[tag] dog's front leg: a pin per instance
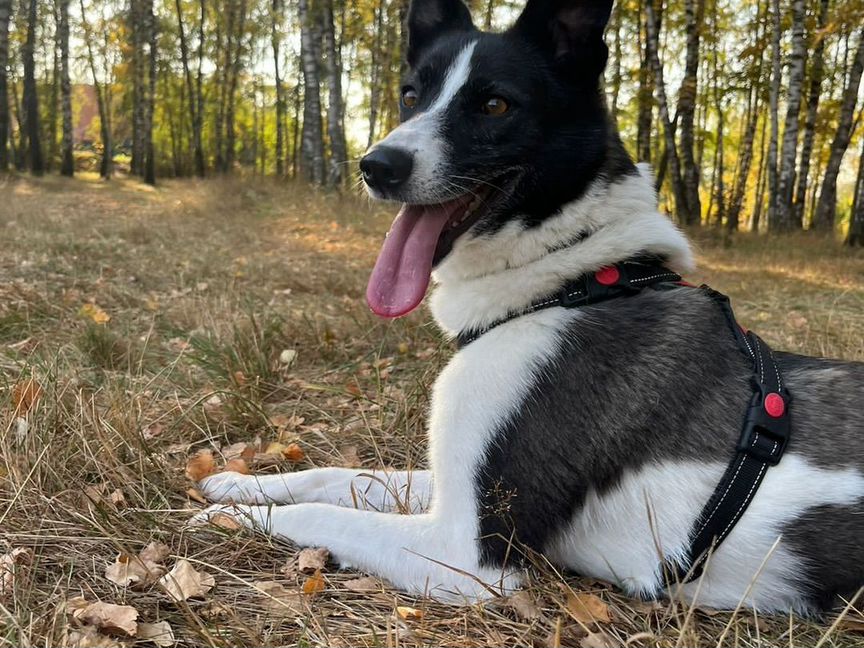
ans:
(423, 554)
(401, 491)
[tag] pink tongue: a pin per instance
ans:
(401, 275)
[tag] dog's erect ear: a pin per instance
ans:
(428, 19)
(571, 31)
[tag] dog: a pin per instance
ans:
(593, 436)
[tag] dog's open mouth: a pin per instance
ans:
(421, 236)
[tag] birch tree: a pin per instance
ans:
(5, 15)
(277, 17)
(826, 208)
(774, 110)
(67, 164)
(694, 11)
(335, 106)
(312, 154)
(32, 124)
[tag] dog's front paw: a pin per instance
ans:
(232, 487)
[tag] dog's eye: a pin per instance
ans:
(409, 97)
(495, 106)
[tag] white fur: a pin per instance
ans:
(421, 135)
(487, 277)
(622, 535)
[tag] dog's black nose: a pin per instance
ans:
(386, 168)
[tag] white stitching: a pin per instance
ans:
(745, 502)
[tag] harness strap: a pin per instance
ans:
(766, 427)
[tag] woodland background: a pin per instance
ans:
(750, 111)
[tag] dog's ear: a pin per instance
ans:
(570, 31)
(428, 19)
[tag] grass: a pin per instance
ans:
(206, 285)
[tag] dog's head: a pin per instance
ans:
(496, 127)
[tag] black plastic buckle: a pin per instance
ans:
(765, 437)
(573, 295)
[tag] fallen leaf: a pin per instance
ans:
(11, 566)
(152, 431)
(278, 599)
(287, 357)
(159, 633)
(409, 613)
(588, 608)
(403, 348)
(599, 640)
(88, 637)
(312, 560)
(240, 378)
(195, 494)
(130, 571)
(200, 465)
(225, 521)
(238, 466)
(108, 617)
(117, 498)
(363, 584)
(25, 395)
(275, 448)
(93, 312)
(524, 606)
(294, 453)
(239, 450)
(184, 582)
(314, 584)
(155, 552)
(350, 456)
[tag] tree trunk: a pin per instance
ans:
(817, 71)
(295, 135)
(785, 215)
(137, 20)
(231, 99)
(653, 39)
(645, 97)
(277, 19)
(5, 15)
(694, 11)
(31, 93)
(54, 112)
(106, 169)
(774, 108)
(152, 34)
(335, 108)
(199, 94)
(618, 11)
(194, 117)
(826, 209)
(375, 72)
(856, 225)
(67, 164)
(312, 154)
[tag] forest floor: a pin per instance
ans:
(140, 325)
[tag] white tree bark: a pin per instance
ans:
(773, 109)
(312, 153)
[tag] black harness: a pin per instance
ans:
(766, 427)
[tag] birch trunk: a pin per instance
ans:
(785, 215)
(694, 12)
(645, 115)
(335, 106)
(653, 41)
(277, 17)
(67, 164)
(139, 111)
(31, 94)
(774, 108)
(5, 15)
(312, 155)
(231, 99)
(106, 168)
(856, 226)
(826, 208)
(149, 164)
(194, 117)
(817, 72)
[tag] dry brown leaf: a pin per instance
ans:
(184, 582)
(293, 453)
(88, 637)
(11, 566)
(200, 465)
(314, 584)
(409, 613)
(25, 395)
(275, 448)
(588, 608)
(238, 450)
(599, 640)
(155, 552)
(108, 617)
(524, 605)
(132, 571)
(312, 560)
(363, 584)
(279, 600)
(350, 456)
(152, 431)
(117, 498)
(238, 466)
(195, 495)
(159, 633)
(225, 521)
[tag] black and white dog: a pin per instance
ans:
(593, 435)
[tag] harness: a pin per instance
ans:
(766, 426)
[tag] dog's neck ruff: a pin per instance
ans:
(490, 277)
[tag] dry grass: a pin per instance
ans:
(205, 284)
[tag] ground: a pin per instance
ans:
(139, 326)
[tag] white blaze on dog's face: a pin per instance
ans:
(495, 128)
